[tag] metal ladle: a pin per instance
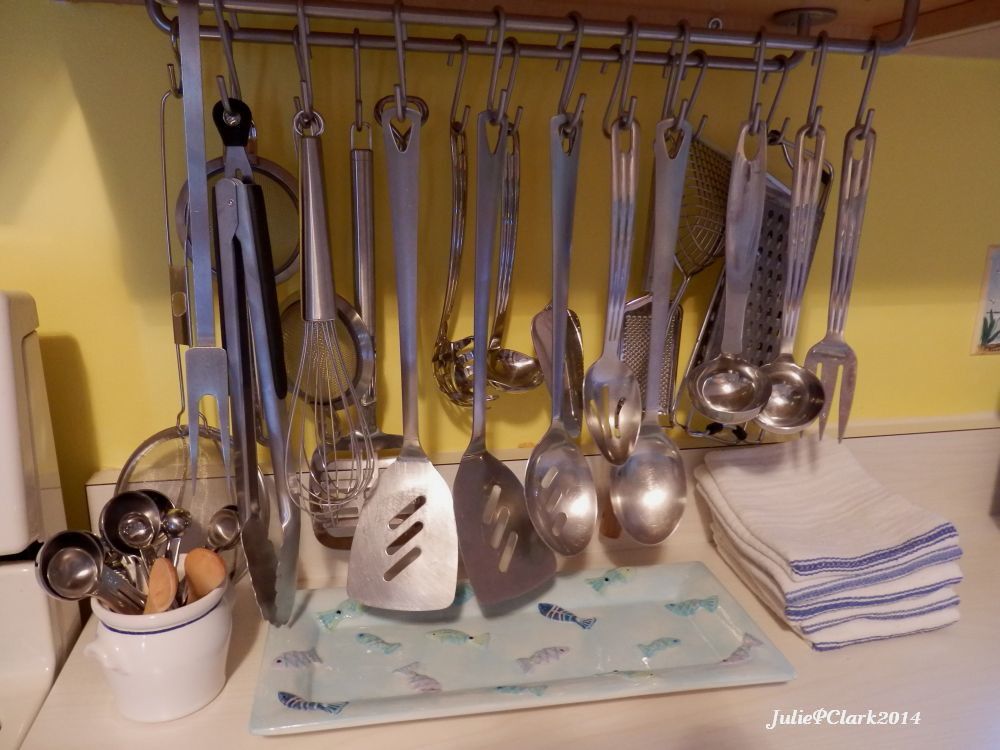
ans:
(138, 532)
(728, 389)
(648, 492)
(797, 395)
(509, 369)
(70, 565)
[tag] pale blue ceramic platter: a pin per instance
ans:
(605, 634)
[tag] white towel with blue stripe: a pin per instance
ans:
(831, 551)
(812, 509)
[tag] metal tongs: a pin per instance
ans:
(250, 318)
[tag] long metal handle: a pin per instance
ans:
(197, 177)
(509, 210)
(671, 147)
(459, 198)
(489, 175)
(319, 301)
(271, 404)
(855, 178)
(744, 215)
(363, 223)
(116, 590)
(624, 183)
(564, 163)
(807, 177)
(403, 164)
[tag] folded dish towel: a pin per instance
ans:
(907, 617)
(804, 594)
(826, 547)
(811, 508)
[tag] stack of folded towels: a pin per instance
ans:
(839, 557)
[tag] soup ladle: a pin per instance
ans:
(797, 396)
(728, 389)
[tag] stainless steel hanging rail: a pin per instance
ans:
(797, 43)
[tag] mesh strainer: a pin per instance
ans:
(356, 350)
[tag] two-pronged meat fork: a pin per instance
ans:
(832, 354)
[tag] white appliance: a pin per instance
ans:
(36, 631)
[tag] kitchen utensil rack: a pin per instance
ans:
(496, 25)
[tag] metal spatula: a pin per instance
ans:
(504, 557)
(405, 552)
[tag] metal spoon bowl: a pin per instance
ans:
(223, 529)
(796, 399)
(729, 389)
(613, 406)
(115, 511)
(511, 370)
(70, 565)
(649, 491)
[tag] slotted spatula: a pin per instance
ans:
(504, 557)
(405, 551)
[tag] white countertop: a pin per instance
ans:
(952, 676)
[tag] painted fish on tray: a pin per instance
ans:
(611, 577)
(459, 638)
(374, 643)
(537, 690)
(688, 607)
(296, 659)
(555, 612)
(290, 700)
(420, 682)
(655, 647)
(742, 652)
(331, 618)
(542, 656)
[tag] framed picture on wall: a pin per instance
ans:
(987, 338)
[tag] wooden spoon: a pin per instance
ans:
(204, 570)
(162, 587)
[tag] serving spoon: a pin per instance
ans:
(648, 492)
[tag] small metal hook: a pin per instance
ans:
(501, 28)
(300, 38)
(572, 71)
(458, 125)
(508, 91)
(399, 89)
(754, 113)
(619, 91)
(688, 104)
(678, 71)
(870, 61)
(176, 83)
(359, 122)
(780, 133)
(226, 36)
(815, 112)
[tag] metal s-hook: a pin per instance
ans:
(300, 41)
(458, 125)
(815, 111)
(754, 113)
(399, 89)
(780, 133)
(176, 83)
(623, 80)
(688, 104)
(572, 71)
(678, 71)
(495, 108)
(870, 61)
(226, 36)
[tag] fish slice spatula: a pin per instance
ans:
(405, 551)
(504, 557)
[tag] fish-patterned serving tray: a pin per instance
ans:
(590, 636)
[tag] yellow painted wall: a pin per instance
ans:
(81, 227)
